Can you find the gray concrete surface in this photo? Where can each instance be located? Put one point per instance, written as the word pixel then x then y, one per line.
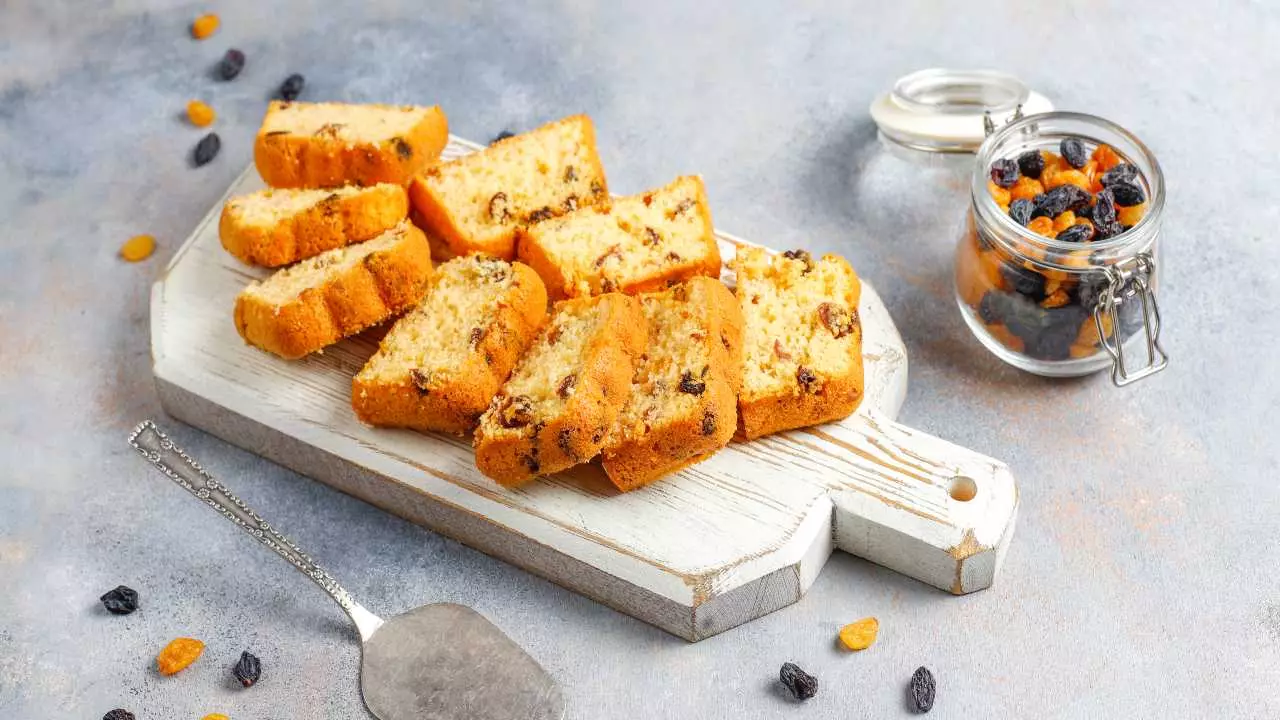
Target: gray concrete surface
pixel 1143 578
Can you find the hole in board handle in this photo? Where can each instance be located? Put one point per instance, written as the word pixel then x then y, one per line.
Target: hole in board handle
pixel 963 489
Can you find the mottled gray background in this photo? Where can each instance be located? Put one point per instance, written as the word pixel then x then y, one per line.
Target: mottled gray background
pixel 1142 580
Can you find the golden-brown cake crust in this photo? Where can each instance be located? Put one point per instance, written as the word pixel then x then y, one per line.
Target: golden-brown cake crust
pixel 286 160
pixel 335 221
pixel 823 397
pixel 384 284
pixel 637 455
pixel 435 217
pixel 454 405
pixel 544 445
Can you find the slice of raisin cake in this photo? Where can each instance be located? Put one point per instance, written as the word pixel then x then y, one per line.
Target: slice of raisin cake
pixel 683 404
pixel 322 145
pixel 632 244
pixel 441 364
pixel 275 227
pixel 309 306
pixel 476 203
pixel 565 393
pixel 802 340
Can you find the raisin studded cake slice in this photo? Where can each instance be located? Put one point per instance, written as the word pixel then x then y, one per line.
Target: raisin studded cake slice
pixel 802 340
pixel 632 244
pixel 275 227
pixel 320 145
pixel 442 363
pixel 684 391
pixel 565 393
pixel 306 307
pixel 476 203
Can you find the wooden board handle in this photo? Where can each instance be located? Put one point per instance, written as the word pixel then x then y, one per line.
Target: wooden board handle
pixel 915 503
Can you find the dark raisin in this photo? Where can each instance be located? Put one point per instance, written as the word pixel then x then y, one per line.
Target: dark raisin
pixel 553 335
pixel 118 714
pixel 1074 153
pixel 477 334
pixel 273 133
pixel 1075 233
pixel 991 308
pixel 683 206
pixel 651 236
pixel 1020 210
pixel 421 380
pixel 1119 173
pixel 708 423
pixel 597 436
pixel 922 690
pixel 596 188
pixel 500 207
pixel 502 136
pixel 1031 164
pixel 518 412
pixel 779 351
pixel 1128 193
pixel 1108 230
pixel 330 130
pixel 1004 172
pixel 564 440
pixel 806 378
pixel 207 149
pixel 571 203
pixel 403 149
pixel 1025 282
pixel 248 669
pixel 1047 333
pixel 836 319
pixel 691 386
pixel 802 255
pixel 495 270
pixel 231 64
pixel 121 601
pixel 613 251
pixel 607 285
pixel 801 684
pixel 566 385
pixel 1059 200
pixel 673 256
pixel 531 461
pixel 542 213
pixel 1104 208
pixel 535 431
pixel 292 86
pixel 570 174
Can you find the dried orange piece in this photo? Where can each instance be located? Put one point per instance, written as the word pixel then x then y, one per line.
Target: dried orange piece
pixel 1064 221
pixel 1107 157
pixel 999 194
pixel 1067 177
pixel 204 26
pixel 178 654
pixel 1042 225
pixel 1130 215
pixel 138 247
pixel 200 114
pixel 1026 189
pixel 861 634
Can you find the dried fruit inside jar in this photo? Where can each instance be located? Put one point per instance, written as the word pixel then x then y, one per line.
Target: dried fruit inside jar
pixel 1042 304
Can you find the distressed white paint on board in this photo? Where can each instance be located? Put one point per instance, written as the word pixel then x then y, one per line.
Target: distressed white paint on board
pixel 718 544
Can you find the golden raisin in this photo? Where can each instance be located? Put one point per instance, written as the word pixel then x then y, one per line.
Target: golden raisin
pixel 138 247
pixel 1067 177
pixel 1107 158
pixel 200 114
pixel 204 26
pixel 999 194
pixel 1026 189
pixel 215 716
pixel 178 654
pixel 1056 299
pixel 1131 215
pixel 861 634
pixel 1042 225
pixel 1064 221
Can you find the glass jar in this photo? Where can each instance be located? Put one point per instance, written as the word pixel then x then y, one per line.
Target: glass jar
pixel 1053 307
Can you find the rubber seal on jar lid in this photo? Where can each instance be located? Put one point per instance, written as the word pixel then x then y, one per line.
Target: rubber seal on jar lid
pixel 941 110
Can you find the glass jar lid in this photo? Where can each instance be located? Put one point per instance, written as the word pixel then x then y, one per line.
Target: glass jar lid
pixel 942 110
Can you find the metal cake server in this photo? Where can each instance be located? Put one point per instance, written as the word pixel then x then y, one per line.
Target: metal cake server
pixel 437 662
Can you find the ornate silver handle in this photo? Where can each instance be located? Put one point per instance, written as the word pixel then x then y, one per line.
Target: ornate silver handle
pixel 171 460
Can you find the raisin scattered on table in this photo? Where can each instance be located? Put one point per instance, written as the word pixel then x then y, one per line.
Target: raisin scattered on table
pixel 860 635
pixel 502 136
pixel 207 149
pixel 1031 164
pixel 1004 172
pixel 801 684
pixel 200 114
pixel 120 601
pixel 118 714
pixel 204 26
pixel 922 690
pixel 231 64
pixel 248 669
pixel 178 654
pixel 1020 210
pixel 292 86
pixel 1074 153
pixel 138 248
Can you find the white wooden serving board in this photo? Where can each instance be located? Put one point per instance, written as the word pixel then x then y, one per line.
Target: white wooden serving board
pixel 714 546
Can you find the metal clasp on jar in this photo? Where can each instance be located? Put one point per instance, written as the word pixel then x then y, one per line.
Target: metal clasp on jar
pixel 1136 273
